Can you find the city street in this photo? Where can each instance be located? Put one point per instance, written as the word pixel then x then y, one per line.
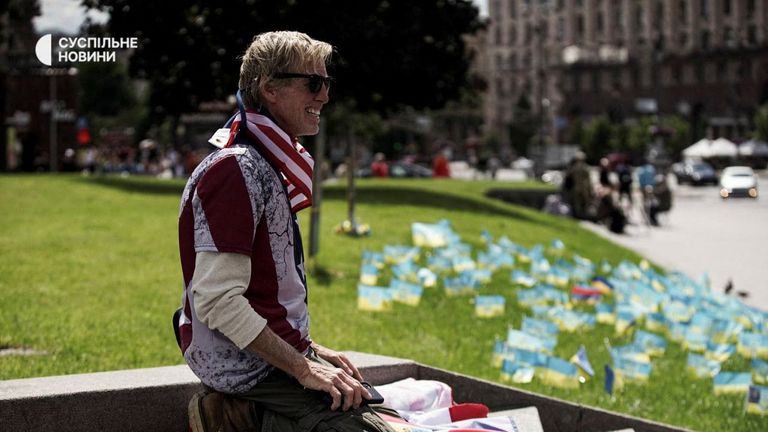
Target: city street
pixel 727 239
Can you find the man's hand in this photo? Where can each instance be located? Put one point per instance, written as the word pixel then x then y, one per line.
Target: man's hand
pixel 345 390
pixel 337 359
pixel 341 382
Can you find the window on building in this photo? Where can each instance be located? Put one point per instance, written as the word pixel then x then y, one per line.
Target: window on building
pixel 500 86
pixel 579 26
pixel 745 70
pixel 616 79
pixel 729 38
pixel 595 81
pixel 722 70
pixel 512 9
pixel 677 75
pixel 512 61
pixel 682 11
pixel 513 35
pixel 752 34
pixel 704 8
pixel 499 61
pixel 639 18
pixel 599 24
pixel 726 7
pixel 497 38
pixel 544 30
pixel 526 5
pixel 656 76
pixel 617 20
pixel 750 7
pixel 495 8
pixel 560 29
pixel 659 12
pixel 528 33
pixel 683 40
pixel 700 73
pixel 705 39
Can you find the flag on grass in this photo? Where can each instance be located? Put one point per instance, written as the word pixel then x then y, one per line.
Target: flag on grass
pixel 489 306
pixel 701 366
pixel 732 382
pixel 759 371
pixel 757 400
pixel 373 298
pixel 559 373
pixel 581 360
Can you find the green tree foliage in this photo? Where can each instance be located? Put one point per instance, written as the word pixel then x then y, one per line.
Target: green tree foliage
pixel 523 128
pixel 680 135
pixel 597 138
pixel 105 89
pixel 761 123
pixel 388 53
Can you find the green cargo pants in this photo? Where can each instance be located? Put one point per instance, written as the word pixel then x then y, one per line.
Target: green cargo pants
pixel 286 406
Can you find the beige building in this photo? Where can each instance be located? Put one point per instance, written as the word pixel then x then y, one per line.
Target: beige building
pixel 706 60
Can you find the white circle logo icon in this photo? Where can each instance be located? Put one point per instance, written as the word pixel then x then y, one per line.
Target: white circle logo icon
pixel 43 50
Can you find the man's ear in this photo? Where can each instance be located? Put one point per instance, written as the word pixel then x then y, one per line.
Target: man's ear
pixel 268 93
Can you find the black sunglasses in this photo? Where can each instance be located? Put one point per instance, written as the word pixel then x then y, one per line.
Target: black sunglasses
pixel 315 81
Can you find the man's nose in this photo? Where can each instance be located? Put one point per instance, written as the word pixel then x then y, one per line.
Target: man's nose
pixel 323 94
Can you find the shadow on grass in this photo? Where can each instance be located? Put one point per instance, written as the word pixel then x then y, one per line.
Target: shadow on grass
pixel 137 184
pixel 425 198
pixel 321 274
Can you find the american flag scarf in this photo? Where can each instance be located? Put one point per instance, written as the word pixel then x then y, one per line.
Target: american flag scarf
pixel 289 157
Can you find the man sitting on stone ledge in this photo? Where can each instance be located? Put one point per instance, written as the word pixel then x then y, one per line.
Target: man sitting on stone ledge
pixel 245 324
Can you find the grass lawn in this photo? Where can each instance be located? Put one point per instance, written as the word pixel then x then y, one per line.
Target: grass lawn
pixel 89 274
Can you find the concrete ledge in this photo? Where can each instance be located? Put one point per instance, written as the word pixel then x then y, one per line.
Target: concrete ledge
pixel 156 399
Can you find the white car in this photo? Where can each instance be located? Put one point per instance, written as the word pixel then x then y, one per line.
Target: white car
pixel 738 181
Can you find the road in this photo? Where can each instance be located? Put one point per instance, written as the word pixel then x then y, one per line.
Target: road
pixel 726 239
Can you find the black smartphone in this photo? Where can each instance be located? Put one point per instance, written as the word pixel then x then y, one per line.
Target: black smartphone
pixel 376 397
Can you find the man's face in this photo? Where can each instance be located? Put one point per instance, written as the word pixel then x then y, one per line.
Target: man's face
pixel 294 107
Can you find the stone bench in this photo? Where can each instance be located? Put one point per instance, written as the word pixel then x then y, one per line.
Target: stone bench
pixel 156 399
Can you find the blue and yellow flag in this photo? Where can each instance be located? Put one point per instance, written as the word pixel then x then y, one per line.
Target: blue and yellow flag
pixel 732 382
pixel 757 400
pixel 701 366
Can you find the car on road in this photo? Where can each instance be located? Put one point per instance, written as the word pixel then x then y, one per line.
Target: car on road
pixel 694 172
pixel 400 170
pixel 738 181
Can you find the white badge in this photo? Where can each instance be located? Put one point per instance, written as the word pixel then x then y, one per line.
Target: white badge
pixel 220 138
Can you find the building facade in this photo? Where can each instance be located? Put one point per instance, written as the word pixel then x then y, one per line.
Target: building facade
pixel 705 60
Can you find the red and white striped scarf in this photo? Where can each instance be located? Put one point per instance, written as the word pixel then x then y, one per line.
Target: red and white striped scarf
pixel 284 153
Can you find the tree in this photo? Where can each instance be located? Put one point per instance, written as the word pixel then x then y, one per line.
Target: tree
pixel 597 138
pixel 389 53
pixel 522 128
pixel 761 123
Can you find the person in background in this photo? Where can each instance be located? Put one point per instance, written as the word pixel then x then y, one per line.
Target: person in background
pixel 440 167
pixel 244 326
pixel 379 167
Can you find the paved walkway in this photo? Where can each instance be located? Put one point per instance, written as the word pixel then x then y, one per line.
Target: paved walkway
pixel 704 234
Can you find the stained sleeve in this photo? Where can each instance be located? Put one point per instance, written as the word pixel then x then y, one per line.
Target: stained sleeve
pixel 218 285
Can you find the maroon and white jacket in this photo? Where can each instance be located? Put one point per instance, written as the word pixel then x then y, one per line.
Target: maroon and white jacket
pixel 235 202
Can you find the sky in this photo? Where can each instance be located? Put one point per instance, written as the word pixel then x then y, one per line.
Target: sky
pixel 63 15
pixel 67 15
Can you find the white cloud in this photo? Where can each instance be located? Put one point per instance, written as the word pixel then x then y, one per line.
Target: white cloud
pixel 482 5
pixel 64 16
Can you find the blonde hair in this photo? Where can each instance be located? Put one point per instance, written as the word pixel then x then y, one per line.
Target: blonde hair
pixel 275 52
